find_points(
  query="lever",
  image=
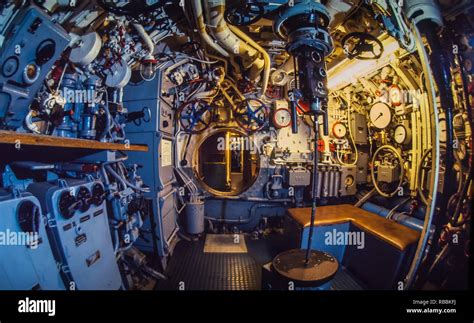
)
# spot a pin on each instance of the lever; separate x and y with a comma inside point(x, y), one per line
point(294, 115)
point(321, 112)
point(325, 123)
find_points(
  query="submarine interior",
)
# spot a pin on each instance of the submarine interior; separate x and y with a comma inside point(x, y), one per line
point(236, 145)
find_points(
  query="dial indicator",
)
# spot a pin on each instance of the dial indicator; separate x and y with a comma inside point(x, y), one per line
point(402, 135)
point(282, 118)
point(380, 115)
point(339, 130)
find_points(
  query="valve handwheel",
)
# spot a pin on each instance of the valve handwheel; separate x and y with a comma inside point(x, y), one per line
point(195, 116)
point(245, 15)
point(357, 43)
point(251, 115)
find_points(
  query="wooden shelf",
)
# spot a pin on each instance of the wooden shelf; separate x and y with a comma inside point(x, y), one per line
point(27, 139)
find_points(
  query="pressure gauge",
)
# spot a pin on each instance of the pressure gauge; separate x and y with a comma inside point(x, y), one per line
point(395, 95)
point(380, 115)
point(402, 135)
point(339, 130)
point(282, 118)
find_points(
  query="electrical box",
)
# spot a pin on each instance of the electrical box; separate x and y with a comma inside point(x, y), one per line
point(155, 129)
point(299, 177)
point(388, 173)
point(348, 180)
point(31, 47)
point(27, 263)
point(79, 232)
point(359, 128)
point(362, 168)
point(150, 100)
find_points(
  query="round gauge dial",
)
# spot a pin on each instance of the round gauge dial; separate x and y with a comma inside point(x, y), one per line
point(402, 135)
point(339, 130)
point(349, 180)
point(98, 194)
point(65, 204)
point(395, 95)
point(28, 216)
point(380, 115)
point(282, 118)
point(84, 196)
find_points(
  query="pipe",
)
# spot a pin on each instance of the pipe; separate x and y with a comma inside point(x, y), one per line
point(408, 221)
point(252, 211)
point(365, 198)
point(263, 52)
point(233, 44)
point(145, 37)
point(251, 199)
point(197, 10)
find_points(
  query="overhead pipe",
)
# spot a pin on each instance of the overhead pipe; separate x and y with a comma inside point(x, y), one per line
point(229, 40)
point(406, 220)
point(145, 37)
point(263, 52)
point(198, 13)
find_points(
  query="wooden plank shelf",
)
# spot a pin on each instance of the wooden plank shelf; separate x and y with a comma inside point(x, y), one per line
point(28, 139)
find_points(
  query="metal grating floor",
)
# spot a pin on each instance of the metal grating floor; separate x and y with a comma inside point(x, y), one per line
point(225, 243)
point(345, 281)
point(192, 269)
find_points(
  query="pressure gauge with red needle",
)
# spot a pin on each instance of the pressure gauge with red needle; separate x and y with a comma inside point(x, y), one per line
point(281, 118)
point(339, 130)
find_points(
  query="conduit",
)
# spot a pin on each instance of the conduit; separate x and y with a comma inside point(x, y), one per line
point(233, 44)
point(197, 10)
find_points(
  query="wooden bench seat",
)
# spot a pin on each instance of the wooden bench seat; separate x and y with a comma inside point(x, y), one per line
point(391, 232)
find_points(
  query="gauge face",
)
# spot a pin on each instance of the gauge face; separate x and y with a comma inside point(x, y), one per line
point(339, 130)
point(380, 115)
point(84, 195)
point(349, 180)
point(98, 194)
point(28, 216)
point(400, 135)
point(65, 204)
point(282, 118)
